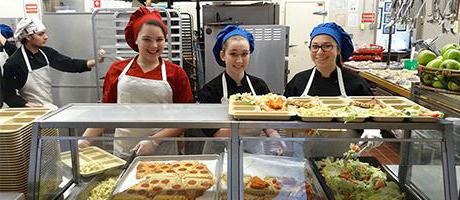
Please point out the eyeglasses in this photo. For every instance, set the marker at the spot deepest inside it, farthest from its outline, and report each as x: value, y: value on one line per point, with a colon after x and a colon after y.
x: 325, y: 47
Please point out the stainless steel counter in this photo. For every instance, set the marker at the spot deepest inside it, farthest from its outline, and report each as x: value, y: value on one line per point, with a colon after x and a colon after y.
x: 216, y: 116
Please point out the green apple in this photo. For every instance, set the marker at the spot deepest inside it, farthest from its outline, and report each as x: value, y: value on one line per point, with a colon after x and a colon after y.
x: 436, y: 63
x: 446, y: 47
x: 453, y: 54
x: 425, y: 56
x: 427, y: 79
x: 450, y: 64
x: 453, y: 86
x: 438, y: 84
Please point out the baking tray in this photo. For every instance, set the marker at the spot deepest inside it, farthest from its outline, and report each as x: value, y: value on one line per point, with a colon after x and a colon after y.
x: 275, y: 166
x: 213, y: 161
x: 372, y: 162
x: 93, y: 154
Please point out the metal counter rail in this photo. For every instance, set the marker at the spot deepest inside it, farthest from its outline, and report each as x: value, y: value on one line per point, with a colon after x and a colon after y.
x: 215, y: 116
x: 448, y: 103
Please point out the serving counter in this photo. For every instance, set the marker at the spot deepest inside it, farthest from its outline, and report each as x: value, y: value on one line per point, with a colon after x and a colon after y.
x: 198, y: 116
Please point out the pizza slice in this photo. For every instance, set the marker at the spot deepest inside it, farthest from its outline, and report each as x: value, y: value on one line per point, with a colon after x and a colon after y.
x: 140, y: 191
x: 258, y: 187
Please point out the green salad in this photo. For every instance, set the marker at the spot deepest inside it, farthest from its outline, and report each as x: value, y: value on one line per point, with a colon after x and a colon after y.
x: 350, y: 179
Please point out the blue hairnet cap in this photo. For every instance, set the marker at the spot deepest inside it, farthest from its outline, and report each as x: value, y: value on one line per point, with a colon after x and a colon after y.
x: 227, y: 32
x: 342, y: 38
x: 6, y: 31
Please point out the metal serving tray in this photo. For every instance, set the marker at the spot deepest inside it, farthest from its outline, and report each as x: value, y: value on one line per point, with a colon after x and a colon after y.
x: 129, y: 178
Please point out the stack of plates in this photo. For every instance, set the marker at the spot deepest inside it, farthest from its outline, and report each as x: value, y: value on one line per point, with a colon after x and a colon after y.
x: 15, y: 141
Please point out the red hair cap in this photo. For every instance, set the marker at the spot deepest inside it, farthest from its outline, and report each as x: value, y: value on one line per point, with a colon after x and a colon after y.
x: 137, y: 19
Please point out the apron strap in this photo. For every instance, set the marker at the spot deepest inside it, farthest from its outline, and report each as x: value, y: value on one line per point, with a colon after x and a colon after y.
x: 339, y: 77
x: 224, y: 86
x: 250, y: 85
x: 125, y: 70
x: 46, y: 57
x: 341, y: 83
x: 310, y: 81
x: 26, y: 59
x: 163, y: 69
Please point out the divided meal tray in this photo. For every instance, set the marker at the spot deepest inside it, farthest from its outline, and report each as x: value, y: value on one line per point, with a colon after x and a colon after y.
x: 243, y: 111
x: 93, y: 154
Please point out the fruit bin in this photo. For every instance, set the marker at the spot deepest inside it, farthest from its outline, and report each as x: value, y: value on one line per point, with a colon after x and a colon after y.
x: 440, y: 80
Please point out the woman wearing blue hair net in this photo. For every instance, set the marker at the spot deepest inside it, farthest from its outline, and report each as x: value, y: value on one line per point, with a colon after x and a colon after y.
x: 232, y: 51
x: 329, y: 47
x: 7, y: 48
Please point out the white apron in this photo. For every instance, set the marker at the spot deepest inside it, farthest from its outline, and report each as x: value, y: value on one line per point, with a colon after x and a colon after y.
x: 323, y: 148
x: 140, y: 90
x: 38, y: 84
x: 255, y: 147
x: 3, y: 58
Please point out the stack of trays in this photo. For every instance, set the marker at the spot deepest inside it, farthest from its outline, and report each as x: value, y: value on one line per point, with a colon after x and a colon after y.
x: 15, y: 141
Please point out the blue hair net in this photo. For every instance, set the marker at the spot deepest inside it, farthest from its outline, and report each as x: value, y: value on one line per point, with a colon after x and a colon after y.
x: 227, y: 32
x: 6, y: 31
x: 342, y: 38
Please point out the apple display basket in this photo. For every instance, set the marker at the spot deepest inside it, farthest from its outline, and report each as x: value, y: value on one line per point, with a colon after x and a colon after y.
x: 448, y: 75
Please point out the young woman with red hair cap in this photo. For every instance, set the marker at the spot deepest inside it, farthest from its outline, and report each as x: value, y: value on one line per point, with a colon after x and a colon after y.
x: 146, y: 78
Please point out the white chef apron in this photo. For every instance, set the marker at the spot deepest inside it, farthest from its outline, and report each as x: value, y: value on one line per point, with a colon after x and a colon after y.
x: 3, y: 58
x: 323, y: 148
x: 255, y: 147
x: 140, y: 90
x: 37, y: 88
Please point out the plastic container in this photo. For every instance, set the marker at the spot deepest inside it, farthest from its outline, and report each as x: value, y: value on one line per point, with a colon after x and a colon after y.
x: 410, y: 64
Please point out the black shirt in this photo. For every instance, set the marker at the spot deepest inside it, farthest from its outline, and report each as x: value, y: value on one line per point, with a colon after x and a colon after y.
x: 15, y: 71
x: 321, y: 86
x: 212, y: 91
x: 9, y: 47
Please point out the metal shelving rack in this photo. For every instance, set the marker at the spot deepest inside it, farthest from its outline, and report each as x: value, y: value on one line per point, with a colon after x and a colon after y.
x: 75, y: 116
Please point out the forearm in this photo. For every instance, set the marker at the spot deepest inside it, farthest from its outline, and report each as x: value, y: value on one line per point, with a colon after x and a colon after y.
x: 93, y: 132
x: 169, y: 132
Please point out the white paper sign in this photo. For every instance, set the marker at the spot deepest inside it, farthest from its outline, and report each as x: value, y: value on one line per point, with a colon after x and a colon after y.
x: 353, y: 20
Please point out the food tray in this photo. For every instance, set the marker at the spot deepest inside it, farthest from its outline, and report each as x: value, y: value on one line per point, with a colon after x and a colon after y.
x: 275, y: 166
x: 93, y: 154
x: 212, y: 161
x: 244, y: 111
x: 278, y: 115
x: 372, y: 162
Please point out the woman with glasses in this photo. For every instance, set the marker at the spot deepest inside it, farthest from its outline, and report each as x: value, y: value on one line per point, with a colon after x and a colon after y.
x: 330, y: 46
